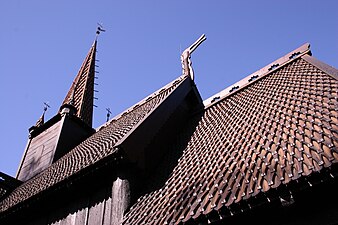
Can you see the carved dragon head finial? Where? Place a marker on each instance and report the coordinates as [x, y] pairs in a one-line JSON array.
[[186, 55]]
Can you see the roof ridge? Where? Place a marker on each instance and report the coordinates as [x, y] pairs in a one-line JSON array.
[[143, 101], [271, 67]]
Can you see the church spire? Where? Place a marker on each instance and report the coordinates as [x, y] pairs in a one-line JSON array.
[[81, 93], [49, 141]]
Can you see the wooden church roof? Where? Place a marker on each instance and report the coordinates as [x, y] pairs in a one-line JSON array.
[[254, 145], [102, 144], [275, 130]]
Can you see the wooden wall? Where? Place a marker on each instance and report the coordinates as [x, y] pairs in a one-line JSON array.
[[40, 152], [103, 206]]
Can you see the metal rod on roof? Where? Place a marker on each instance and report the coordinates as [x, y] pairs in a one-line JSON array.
[[108, 114], [46, 106]]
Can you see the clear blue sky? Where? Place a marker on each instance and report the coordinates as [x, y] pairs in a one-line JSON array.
[[43, 44]]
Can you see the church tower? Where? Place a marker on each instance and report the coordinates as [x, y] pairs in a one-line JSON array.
[[48, 141]]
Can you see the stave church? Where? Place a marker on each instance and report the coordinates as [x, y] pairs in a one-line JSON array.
[[262, 151]]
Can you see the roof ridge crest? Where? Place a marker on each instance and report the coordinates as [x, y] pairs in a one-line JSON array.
[[289, 57]]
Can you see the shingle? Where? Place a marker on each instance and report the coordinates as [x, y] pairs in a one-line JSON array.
[[91, 151], [279, 128]]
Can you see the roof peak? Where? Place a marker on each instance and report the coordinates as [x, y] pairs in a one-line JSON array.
[[81, 92]]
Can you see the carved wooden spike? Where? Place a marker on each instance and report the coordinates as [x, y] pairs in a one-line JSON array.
[[197, 43], [186, 55]]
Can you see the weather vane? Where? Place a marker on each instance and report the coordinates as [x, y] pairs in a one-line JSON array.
[[41, 120], [99, 29], [108, 113], [46, 106]]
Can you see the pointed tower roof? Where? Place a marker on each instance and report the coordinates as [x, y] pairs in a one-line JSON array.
[[41, 120], [81, 92]]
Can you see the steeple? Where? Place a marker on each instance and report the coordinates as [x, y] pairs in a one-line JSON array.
[[49, 141], [81, 93]]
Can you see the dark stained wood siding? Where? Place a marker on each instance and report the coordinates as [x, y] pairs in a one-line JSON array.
[[105, 205], [40, 152]]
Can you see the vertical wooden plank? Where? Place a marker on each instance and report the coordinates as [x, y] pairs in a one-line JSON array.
[[120, 200], [81, 216], [97, 207], [107, 212], [95, 214], [107, 206], [69, 219], [63, 221]]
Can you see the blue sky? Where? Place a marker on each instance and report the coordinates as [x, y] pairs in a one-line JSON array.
[[43, 44]]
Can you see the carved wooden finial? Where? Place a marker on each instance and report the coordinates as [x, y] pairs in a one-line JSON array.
[[186, 55]]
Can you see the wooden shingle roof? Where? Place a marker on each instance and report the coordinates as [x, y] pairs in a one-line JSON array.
[[95, 148], [272, 132], [275, 131], [7, 184]]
